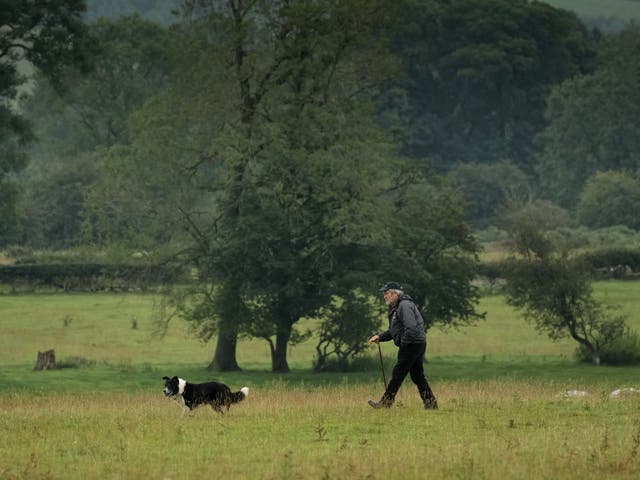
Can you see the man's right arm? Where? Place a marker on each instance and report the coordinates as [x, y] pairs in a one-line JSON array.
[[381, 337]]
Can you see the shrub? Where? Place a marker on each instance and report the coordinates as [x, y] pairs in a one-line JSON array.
[[87, 276], [492, 271], [346, 327], [610, 198], [622, 349], [613, 261]]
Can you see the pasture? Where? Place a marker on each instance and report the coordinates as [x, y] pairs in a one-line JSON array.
[[499, 386]]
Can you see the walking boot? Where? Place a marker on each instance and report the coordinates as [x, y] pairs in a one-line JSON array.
[[431, 404], [429, 399], [385, 402]]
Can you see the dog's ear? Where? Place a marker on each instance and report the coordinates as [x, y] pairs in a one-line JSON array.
[[166, 378]]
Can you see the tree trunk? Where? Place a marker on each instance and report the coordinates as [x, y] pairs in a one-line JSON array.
[[224, 359], [593, 349], [46, 360], [279, 355]]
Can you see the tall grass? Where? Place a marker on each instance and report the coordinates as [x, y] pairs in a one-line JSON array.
[[498, 383], [483, 430]]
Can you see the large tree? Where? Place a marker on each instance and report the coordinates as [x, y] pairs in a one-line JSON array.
[[593, 121], [477, 72], [263, 93], [431, 252], [91, 112], [44, 35], [298, 68], [266, 155]]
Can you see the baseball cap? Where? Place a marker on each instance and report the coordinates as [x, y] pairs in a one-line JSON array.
[[391, 286]]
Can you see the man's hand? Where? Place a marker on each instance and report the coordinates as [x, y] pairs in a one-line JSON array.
[[375, 339]]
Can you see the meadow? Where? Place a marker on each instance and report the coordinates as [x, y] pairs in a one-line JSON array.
[[499, 384]]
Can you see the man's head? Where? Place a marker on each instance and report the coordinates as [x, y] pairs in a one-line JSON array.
[[391, 292]]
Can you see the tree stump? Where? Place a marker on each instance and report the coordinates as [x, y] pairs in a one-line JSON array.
[[46, 360]]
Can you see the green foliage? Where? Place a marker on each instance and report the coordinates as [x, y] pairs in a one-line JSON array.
[[621, 347], [477, 74], [270, 194], [555, 292], [130, 65], [44, 35], [490, 270], [488, 188], [86, 277], [592, 121], [528, 226], [346, 326], [432, 253], [54, 201], [613, 262], [8, 211], [582, 238], [49, 35], [608, 199]]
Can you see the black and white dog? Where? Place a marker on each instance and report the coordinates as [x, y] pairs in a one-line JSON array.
[[192, 395]]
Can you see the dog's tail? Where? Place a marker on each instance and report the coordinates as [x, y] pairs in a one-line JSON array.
[[241, 395]]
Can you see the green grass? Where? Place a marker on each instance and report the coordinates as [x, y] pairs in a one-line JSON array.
[[498, 383], [488, 430]]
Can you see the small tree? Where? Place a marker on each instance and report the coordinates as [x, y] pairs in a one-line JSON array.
[[345, 328], [555, 292]]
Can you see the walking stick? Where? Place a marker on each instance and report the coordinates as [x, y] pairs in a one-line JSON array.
[[384, 377]]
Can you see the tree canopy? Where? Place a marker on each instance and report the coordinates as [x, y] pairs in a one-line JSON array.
[[42, 35], [284, 187], [593, 121], [477, 75]]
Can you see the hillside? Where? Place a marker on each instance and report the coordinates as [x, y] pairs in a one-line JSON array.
[[609, 14], [606, 15]]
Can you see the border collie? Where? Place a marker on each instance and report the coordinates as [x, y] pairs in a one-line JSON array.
[[192, 395]]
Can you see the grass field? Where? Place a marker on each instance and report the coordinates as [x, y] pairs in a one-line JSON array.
[[499, 386]]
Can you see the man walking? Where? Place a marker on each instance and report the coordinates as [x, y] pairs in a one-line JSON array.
[[406, 329]]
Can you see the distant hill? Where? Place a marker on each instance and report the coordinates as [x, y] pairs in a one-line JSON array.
[[607, 15], [155, 10]]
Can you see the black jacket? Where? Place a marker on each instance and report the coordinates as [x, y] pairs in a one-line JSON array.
[[405, 323]]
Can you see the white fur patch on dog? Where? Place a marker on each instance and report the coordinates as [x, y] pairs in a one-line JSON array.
[[245, 391], [181, 384]]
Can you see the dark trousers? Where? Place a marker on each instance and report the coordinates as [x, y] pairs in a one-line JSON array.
[[410, 360]]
